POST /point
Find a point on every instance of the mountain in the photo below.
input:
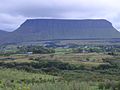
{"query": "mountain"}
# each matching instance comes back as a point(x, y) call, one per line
point(47, 29)
point(2, 32)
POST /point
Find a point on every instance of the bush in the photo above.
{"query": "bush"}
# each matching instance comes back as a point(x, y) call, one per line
point(112, 85)
point(36, 49)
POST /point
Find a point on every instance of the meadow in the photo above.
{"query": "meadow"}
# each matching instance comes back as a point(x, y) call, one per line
point(61, 69)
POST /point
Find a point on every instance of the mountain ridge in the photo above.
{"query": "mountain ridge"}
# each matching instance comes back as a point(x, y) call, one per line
point(50, 29)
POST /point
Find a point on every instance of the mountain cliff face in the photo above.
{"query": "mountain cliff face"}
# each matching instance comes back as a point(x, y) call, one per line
point(47, 29)
point(3, 34)
point(68, 29)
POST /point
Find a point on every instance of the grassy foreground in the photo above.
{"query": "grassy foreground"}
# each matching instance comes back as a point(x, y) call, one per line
point(62, 70)
point(11, 79)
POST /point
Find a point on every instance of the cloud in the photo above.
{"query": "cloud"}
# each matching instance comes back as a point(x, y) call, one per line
point(10, 22)
point(15, 12)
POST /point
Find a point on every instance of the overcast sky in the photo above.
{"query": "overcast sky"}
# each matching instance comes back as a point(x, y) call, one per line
point(15, 12)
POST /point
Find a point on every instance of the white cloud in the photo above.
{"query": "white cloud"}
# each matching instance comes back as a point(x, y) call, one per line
point(14, 12)
point(9, 22)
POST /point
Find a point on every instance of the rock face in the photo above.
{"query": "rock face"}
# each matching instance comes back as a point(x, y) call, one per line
point(68, 29)
point(47, 29)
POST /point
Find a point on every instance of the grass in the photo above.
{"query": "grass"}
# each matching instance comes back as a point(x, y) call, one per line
point(87, 59)
point(10, 73)
point(62, 51)
point(12, 79)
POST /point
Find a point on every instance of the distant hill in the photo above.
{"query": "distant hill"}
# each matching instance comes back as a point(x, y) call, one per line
point(3, 32)
point(49, 29)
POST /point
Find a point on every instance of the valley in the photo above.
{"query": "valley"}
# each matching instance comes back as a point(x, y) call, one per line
point(55, 65)
point(60, 54)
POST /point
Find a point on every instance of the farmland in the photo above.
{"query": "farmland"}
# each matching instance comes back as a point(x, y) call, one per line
point(77, 67)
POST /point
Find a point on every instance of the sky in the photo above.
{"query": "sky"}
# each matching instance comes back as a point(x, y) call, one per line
point(14, 12)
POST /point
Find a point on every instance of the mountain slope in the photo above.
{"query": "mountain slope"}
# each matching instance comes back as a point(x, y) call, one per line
point(47, 29)
point(3, 32)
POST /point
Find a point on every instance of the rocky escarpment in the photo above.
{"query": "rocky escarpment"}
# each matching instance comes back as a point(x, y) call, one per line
point(47, 29)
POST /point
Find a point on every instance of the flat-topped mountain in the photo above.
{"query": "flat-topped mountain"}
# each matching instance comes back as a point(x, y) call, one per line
point(68, 29)
point(47, 29)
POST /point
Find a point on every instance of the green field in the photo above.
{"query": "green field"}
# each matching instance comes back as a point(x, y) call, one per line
point(61, 69)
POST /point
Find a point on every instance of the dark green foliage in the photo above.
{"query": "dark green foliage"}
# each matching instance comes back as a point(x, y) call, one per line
point(43, 65)
point(56, 64)
point(109, 49)
point(109, 85)
point(35, 49)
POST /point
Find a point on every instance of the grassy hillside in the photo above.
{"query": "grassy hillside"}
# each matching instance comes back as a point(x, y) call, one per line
point(70, 67)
